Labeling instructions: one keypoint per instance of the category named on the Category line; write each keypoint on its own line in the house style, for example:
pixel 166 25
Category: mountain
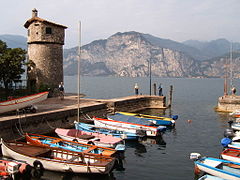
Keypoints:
pixel 129 53
pixel 213 48
pixel 14 41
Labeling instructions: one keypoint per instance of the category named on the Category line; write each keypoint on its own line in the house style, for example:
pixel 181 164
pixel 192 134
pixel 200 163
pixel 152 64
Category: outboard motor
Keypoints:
pixel 174 117
pixel 195 156
pixel 141 133
pixel 225 141
pixel 229 132
pixel 230 123
pixel 161 128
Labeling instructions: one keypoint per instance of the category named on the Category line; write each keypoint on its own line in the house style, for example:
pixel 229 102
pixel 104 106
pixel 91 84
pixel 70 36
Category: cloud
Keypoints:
pixel 174 19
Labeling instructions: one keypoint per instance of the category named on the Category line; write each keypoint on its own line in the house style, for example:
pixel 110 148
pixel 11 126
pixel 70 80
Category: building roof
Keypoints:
pixel 37 19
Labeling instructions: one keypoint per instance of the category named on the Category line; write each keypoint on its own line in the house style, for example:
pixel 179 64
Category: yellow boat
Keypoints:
pixel 146 116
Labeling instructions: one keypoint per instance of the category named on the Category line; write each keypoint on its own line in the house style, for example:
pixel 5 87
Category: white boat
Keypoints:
pixel 236 126
pixel 231 155
pixel 141 130
pixel 55 159
pixel 19 103
pixel 217 167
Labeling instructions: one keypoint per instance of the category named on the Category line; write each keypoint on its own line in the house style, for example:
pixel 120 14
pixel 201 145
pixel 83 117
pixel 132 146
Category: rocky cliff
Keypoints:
pixel 129 54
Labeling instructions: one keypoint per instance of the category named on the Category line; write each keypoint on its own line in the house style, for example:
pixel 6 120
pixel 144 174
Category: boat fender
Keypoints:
pixel 229 132
pixel 225 141
pixel 90 142
pixel 75 140
pixel 22 168
pixel 174 117
pixel 197 171
pixel 38 169
pixel 38 165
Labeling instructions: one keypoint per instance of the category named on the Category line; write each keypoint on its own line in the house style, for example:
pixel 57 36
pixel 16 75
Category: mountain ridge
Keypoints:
pixel 129 53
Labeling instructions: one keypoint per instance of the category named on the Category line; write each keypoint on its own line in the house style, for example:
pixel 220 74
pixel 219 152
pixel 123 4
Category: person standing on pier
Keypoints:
pixel 136 89
pixel 160 90
pixel 61 90
pixel 234 91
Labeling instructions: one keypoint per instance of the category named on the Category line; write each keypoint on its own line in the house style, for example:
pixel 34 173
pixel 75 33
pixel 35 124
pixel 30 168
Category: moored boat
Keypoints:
pixel 139 129
pixel 11 169
pixel 47 141
pixel 142 119
pixel 231 155
pixel 19 103
pixel 91 138
pixel 217 167
pixel 116 133
pixel 56 159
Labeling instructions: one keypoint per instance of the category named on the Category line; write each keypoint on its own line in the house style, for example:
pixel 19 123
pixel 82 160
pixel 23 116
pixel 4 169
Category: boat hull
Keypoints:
pixel 118 134
pixel 215 171
pixel 23 102
pixel 57 165
pixel 125 126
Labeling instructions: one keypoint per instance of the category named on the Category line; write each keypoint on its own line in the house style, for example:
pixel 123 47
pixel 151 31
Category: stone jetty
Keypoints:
pixel 54 112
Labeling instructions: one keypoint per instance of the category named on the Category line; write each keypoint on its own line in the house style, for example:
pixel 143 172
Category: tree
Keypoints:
pixel 11 65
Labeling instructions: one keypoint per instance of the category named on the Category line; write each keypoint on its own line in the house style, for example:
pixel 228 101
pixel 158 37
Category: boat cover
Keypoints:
pixel 130 119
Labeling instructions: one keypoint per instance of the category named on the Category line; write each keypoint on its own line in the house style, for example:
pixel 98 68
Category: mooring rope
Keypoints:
pixel 49 124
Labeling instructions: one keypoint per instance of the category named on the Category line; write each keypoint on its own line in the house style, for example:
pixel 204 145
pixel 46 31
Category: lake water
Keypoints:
pixel 168 158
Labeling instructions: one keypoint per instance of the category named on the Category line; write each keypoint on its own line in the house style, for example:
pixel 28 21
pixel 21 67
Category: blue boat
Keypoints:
pixel 115 133
pixel 217 167
pixel 47 141
pixel 142 119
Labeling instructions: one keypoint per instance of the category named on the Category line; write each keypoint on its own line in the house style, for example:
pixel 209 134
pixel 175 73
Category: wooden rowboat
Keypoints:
pixel 231 155
pixel 56 159
pixel 97 139
pixel 19 103
pixel 47 141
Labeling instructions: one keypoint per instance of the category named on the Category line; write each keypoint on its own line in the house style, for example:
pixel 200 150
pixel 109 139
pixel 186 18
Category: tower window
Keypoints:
pixel 48 30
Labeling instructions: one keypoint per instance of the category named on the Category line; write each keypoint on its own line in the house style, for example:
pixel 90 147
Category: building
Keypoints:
pixel 45 49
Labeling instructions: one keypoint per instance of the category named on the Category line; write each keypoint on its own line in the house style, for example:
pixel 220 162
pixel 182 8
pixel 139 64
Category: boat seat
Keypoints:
pixel 56 141
pixel 108 152
pixel 89 149
pixel 73 158
pixel 85 136
pixel 212 163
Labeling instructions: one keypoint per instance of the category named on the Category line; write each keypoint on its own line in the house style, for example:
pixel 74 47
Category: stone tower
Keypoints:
pixel 45 49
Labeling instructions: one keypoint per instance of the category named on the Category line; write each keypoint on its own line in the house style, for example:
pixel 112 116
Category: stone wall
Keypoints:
pixel 37 33
pixel 49 63
pixel 228 103
pixel 42 123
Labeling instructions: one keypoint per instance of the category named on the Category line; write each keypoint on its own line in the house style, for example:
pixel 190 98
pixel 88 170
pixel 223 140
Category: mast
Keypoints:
pixel 231 68
pixel 79 55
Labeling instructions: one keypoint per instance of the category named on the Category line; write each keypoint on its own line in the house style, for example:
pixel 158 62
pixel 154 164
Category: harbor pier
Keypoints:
pixel 54 112
pixel 228 103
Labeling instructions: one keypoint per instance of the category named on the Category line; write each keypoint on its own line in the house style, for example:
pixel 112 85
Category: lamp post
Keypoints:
pixel 150 76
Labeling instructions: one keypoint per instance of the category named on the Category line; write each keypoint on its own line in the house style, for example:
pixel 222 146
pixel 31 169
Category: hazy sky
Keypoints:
pixel 177 20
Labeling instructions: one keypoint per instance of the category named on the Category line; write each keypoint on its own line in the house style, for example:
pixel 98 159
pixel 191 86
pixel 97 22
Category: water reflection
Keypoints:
pixel 224 118
pixel 50 175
